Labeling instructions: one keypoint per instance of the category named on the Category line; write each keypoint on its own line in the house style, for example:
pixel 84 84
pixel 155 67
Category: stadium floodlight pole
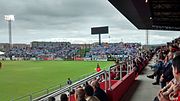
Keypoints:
pixel 99 39
pixel 109 38
pixel 147 37
pixel 9 19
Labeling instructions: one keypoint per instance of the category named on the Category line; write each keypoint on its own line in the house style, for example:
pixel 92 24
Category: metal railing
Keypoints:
pixel 44 92
pixel 33 95
pixel 54 91
pixel 74 85
pixel 129 68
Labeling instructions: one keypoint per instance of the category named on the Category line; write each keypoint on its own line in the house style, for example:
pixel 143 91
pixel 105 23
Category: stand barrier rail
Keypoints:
pixel 54 91
pixel 74 85
pixel 43 92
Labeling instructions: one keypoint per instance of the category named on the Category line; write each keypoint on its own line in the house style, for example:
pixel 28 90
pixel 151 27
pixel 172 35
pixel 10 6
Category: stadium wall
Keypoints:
pixel 120 88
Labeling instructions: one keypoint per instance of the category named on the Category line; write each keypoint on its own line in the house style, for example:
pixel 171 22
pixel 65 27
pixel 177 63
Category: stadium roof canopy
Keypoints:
pixel 151 14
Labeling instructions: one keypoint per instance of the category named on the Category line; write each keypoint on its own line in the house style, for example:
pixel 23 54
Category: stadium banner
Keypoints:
pixel 2 58
pixel 79 59
pixel 99 57
pixel 48 58
pixel 8 59
pixel 33 59
pixel 87 59
pixel 59 59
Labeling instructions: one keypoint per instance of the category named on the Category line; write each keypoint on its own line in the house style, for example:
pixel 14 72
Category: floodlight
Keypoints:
pixel 9 17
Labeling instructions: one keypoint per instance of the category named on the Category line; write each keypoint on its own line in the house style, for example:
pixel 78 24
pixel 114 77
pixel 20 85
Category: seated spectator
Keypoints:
pixel 157 72
pixel 167 74
pixel 51 99
pixel 98 92
pixel 80 94
pixel 163 72
pixel 171 91
pixel 64 97
pixel 113 73
pixel 124 68
pixel 117 77
pixel 135 65
pixel 89 94
pixel 72 91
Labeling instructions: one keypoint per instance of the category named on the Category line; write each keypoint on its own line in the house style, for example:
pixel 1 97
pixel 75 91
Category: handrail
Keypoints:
pixel 44 92
pixel 129 68
pixel 21 97
pixel 65 89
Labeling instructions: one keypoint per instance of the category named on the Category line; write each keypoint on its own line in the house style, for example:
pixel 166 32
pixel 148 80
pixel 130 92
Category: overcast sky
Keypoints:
pixel 71 20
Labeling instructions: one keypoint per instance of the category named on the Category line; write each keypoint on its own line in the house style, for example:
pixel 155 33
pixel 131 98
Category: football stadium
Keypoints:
pixel 69 50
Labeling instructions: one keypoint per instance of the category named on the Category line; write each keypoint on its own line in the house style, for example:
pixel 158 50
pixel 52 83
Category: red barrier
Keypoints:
pixel 121 87
pixel 78 59
pixel 102 84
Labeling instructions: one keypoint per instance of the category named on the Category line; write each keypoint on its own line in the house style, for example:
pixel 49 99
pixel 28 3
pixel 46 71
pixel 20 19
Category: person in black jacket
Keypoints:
pixel 167 74
pixel 98 92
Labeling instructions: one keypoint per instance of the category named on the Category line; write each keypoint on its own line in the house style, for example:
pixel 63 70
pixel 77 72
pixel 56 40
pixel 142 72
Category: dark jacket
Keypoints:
pixel 82 100
pixel 167 72
pixel 100 94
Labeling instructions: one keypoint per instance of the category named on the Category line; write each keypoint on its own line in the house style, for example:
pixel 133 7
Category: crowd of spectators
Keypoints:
pixel 114 49
pixel 167 71
pixel 64 50
pixel 137 62
pixel 162 67
pixel 90 91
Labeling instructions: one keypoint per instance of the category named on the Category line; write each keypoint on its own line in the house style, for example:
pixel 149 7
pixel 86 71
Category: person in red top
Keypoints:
pixel 98 68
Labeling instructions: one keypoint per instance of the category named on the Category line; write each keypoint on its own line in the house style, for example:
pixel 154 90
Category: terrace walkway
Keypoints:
pixel 142 89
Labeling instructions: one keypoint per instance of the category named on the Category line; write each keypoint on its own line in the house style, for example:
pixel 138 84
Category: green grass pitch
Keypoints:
pixel 18 78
